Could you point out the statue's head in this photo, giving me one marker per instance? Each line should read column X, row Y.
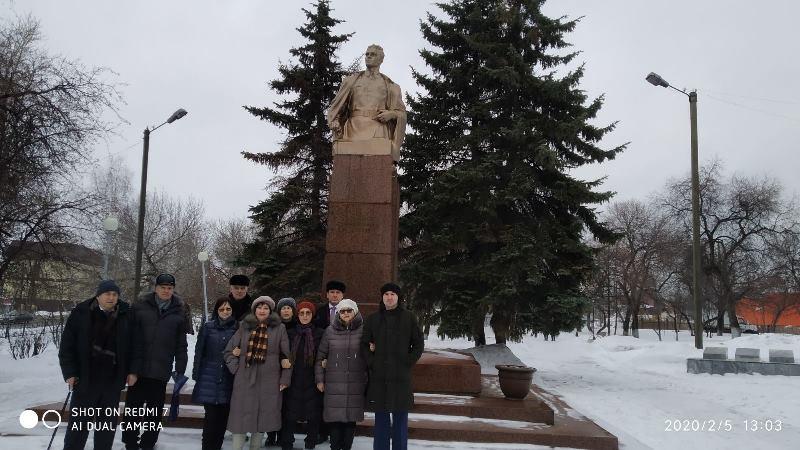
column 373, row 56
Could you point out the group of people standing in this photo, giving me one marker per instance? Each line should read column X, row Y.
column 259, row 367
column 107, row 344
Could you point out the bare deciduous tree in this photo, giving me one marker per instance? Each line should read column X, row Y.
column 643, row 260
column 175, row 232
column 51, row 113
column 737, row 217
column 228, row 240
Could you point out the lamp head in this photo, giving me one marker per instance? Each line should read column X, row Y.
column 202, row 256
column 110, row 223
column 656, row 80
column 176, row 115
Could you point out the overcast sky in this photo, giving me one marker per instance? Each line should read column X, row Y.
column 213, row 57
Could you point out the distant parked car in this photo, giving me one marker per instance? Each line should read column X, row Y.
column 747, row 328
column 15, row 317
column 744, row 326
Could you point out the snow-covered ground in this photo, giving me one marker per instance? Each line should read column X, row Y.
column 634, row 388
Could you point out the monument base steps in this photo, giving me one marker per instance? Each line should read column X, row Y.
column 542, row 419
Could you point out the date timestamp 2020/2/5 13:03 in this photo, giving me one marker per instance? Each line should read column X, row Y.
column 723, row 425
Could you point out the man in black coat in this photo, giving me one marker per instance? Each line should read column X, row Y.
column 238, row 297
column 334, row 293
column 393, row 343
column 160, row 332
column 95, row 355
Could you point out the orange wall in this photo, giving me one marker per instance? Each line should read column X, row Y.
column 762, row 311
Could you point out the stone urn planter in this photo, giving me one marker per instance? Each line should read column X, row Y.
column 515, row 381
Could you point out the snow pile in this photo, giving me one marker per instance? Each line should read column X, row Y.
column 637, row 388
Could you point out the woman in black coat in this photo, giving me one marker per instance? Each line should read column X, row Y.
column 213, row 382
column 302, row 400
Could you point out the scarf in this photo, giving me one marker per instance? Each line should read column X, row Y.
column 307, row 332
column 102, row 339
column 257, row 345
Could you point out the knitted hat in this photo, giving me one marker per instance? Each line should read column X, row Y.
column 106, row 286
column 335, row 284
column 264, row 299
column 287, row 301
column 239, row 280
column 347, row 304
column 309, row 305
column 391, row 287
column 165, row 279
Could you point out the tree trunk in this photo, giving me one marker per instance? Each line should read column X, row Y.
column 736, row 330
column 501, row 324
column 626, row 322
column 688, row 323
column 675, row 325
column 659, row 327
column 478, row 333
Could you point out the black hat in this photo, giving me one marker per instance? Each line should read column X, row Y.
column 240, row 280
column 391, row 287
column 106, row 286
column 335, row 284
column 165, row 279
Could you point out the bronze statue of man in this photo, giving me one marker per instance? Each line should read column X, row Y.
column 368, row 116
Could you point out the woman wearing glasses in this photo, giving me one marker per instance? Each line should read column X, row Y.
column 254, row 356
column 213, row 381
column 302, row 400
column 341, row 373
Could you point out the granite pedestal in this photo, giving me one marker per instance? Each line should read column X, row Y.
column 362, row 236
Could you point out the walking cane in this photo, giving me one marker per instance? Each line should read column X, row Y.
column 63, row 409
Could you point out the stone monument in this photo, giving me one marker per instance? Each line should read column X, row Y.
column 368, row 120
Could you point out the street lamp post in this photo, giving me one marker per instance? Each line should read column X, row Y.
column 656, row 80
column 203, row 257
column 142, row 197
column 110, row 224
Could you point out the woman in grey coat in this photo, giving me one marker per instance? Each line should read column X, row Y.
column 341, row 373
column 253, row 356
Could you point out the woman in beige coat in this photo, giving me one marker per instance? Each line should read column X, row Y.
column 253, row 356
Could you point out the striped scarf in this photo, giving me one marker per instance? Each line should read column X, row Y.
column 257, row 345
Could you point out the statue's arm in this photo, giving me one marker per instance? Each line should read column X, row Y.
column 338, row 103
column 399, row 129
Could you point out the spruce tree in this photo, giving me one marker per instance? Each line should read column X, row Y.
column 494, row 220
column 289, row 249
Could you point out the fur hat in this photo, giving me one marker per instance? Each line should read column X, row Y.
column 391, row 287
column 335, row 284
column 262, row 300
column 347, row 304
column 239, row 280
column 286, row 301
column 309, row 305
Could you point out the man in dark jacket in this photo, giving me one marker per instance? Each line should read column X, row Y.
column 95, row 357
column 334, row 293
column 239, row 298
column 160, row 332
column 393, row 343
